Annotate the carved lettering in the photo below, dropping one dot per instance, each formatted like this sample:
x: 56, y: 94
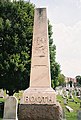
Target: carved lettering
x: 26, y: 99
x: 40, y: 47
x: 32, y: 99
x: 39, y: 99
x: 43, y: 99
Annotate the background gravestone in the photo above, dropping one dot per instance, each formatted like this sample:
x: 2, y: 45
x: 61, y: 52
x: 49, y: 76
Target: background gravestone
x: 79, y: 115
x: 1, y: 93
x: 39, y: 100
x: 10, y: 108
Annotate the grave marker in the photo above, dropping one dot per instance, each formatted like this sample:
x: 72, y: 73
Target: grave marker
x: 1, y: 93
x: 40, y: 96
x: 79, y: 115
x: 10, y: 108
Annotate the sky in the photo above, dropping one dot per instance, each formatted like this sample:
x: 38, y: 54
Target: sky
x: 65, y: 17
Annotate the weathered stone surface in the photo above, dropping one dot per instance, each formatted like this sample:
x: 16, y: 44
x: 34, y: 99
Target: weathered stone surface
x: 40, y: 112
x: 69, y: 109
x: 39, y: 100
x: 40, y: 91
x: 40, y: 65
x: 1, y: 93
x: 39, y: 96
x: 79, y: 115
x: 10, y: 108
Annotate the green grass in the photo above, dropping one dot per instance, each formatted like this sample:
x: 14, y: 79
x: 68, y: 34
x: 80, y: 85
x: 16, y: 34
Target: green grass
x: 18, y: 95
x: 1, y: 114
x: 69, y: 115
x: 2, y: 100
x: 73, y: 105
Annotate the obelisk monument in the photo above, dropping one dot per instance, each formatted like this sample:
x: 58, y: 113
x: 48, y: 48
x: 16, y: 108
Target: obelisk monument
x: 39, y: 96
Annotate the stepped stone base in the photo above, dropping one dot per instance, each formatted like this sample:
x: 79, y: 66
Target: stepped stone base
x: 40, y: 112
x: 39, y: 96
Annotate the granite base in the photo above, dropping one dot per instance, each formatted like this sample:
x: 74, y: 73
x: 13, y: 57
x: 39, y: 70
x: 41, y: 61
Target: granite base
x: 40, y: 112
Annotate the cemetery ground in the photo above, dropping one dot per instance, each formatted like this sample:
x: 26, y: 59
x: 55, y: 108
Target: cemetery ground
x: 74, y: 105
x: 68, y: 115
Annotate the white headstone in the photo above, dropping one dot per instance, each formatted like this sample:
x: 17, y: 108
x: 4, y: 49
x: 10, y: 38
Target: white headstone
x: 1, y: 93
x: 67, y: 93
x: 10, y: 108
x: 79, y: 115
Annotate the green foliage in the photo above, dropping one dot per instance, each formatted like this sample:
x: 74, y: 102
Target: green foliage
x: 61, y: 79
x: 16, y: 29
x: 78, y: 78
x: 54, y: 66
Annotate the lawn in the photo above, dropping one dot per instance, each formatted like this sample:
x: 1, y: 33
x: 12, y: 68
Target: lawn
x: 68, y: 115
x: 73, y: 105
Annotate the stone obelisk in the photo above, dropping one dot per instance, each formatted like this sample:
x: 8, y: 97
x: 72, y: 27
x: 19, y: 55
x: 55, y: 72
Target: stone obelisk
x: 40, y: 80
x: 39, y: 96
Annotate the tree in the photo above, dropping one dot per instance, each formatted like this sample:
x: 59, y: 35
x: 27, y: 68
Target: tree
x: 78, y: 79
x: 54, y: 66
x: 70, y: 82
x: 16, y: 28
x: 61, y: 79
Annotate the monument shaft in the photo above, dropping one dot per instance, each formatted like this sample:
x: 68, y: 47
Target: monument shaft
x: 40, y: 91
x: 40, y: 65
x: 39, y: 100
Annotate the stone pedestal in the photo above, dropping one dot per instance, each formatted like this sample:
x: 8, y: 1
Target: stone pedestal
x: 40, y: 112
x: 39, y: 96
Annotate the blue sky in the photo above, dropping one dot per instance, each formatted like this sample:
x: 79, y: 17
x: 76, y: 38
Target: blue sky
x: 65, y: 17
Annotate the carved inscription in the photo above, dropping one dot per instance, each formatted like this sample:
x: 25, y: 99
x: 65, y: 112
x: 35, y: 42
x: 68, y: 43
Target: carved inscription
x: 40, y: 47
x: 40, y: 100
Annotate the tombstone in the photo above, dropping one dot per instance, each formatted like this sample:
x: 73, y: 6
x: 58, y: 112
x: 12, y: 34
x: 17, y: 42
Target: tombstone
x: 79, y: 115
x: 10, y: 108
x: 65, y: 102
x: 40, y: 97
x: 69, y: 108
x: 64, y: 115
x: 75, y: 92
x: 61, y: 92
x: 80, y: 104
x: 66, y: 93
x: 71, y: 96
x: 67, y: 86
x: 63, y: 96
x: 1, y: 93
x: 70, y: 82
x: 80, y: 94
